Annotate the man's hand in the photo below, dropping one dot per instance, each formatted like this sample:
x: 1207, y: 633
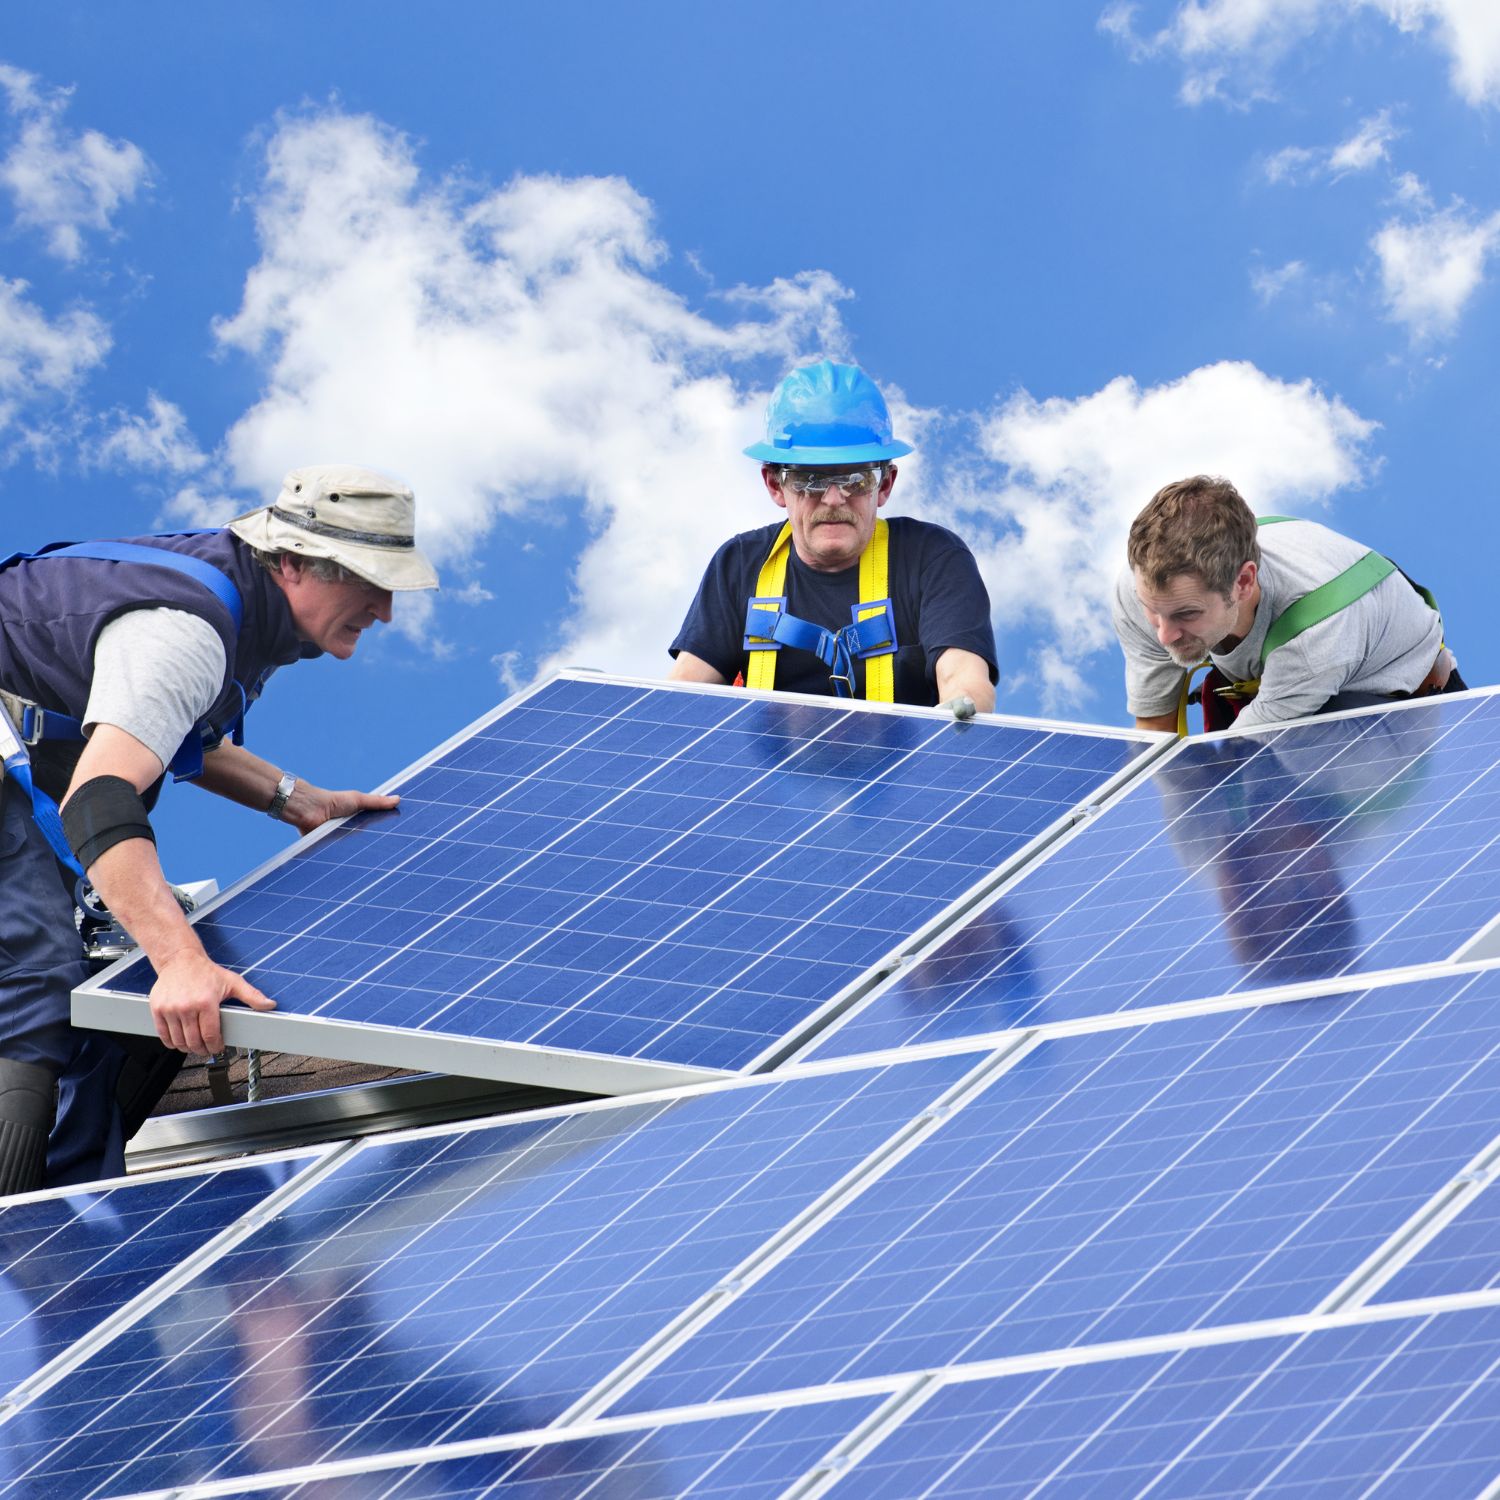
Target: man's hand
x: 186, y: 997
x: 311, y: 806
x: 964, y: 674
x: 232, y: 771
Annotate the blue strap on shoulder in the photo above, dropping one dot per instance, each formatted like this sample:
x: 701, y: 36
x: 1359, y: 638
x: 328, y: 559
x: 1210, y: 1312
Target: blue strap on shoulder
x: 47, y: 724
x: 219, y: 584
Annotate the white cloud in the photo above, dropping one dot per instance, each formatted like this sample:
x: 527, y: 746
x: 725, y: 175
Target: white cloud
x: 511, y: 353
x: 191, y: 506
x: 1431, y: 267
x: 1411, y: 192
x: 158, y: 441
x: 1291, y: 164
x: 1269, y: 284
x: 64, y: 182
x: 1230, y: 48
x: 1469, y: 30
x: 40, y: 358
x: 1050, y: 534
x: 1366, y: 148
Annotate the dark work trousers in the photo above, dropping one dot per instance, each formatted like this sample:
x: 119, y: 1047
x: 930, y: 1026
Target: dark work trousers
x: 1341, y: 701
x: 41, y: 961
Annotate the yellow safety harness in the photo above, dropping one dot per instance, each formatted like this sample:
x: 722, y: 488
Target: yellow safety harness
x: 871, y: 637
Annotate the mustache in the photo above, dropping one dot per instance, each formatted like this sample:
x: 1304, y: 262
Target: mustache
x: 833, y: 516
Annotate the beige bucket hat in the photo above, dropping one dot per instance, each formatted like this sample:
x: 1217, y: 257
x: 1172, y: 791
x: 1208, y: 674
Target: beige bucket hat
x: 358, y: 518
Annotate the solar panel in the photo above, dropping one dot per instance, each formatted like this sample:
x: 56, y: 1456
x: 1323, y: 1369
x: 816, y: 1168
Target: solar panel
x: 662, y: 878
x: 1200, y: 1172
x: 666, y: 884
x: 461, y: 1285
x: 751, y: 1456
x: 1407, y: 1407
x: 70, y: 1260
x: 1335, y: 847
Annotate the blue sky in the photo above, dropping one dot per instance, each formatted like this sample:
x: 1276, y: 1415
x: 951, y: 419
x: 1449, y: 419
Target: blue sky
x: 545, y: 262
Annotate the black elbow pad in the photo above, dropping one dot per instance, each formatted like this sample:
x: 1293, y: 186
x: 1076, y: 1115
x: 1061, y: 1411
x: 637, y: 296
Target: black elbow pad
x: 102, y: 813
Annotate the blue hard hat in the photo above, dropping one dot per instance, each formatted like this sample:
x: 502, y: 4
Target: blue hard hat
x: 827, y: 414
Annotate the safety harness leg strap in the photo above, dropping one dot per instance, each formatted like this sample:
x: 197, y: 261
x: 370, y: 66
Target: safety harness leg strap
x: 43, y: 809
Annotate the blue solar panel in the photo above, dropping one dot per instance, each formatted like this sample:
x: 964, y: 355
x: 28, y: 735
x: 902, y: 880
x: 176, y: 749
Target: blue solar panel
x: 1191, y: 1173
x: 1464, y: 1256
x: 1337, y: 847
x: 751, y: 1457
x: 645, y: 872
x: 456, y: 1286
x: 67, y: 1263
x: 1407, y: 1408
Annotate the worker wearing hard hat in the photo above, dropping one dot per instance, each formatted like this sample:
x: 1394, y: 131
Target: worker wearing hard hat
x: 119, y: 661
x: 836, y: 600
x: 1291, y: 618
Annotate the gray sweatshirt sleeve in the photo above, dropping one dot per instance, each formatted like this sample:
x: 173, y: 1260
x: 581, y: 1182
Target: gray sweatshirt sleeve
x: 156, y: 673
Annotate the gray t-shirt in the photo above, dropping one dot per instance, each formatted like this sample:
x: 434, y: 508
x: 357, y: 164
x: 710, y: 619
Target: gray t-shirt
x: 156, y: 673
x: 1385, y: 642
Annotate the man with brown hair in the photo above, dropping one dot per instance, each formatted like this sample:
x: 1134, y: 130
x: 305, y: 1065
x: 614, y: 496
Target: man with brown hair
x: 1293, y: 618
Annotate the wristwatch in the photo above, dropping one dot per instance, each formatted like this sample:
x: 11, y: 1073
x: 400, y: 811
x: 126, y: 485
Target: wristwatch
x: 283, y: 795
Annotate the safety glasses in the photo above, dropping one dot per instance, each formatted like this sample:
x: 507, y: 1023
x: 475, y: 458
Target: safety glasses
x: 854, y: 485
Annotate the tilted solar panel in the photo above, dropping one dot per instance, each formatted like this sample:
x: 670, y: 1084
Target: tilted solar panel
x: 1190, y: 1173
x: 1335, y: 847
x: 459, y: 1285
x: 664, y: 879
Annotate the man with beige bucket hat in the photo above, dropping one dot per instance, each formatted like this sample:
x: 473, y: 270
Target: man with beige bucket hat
x: 120, y: 661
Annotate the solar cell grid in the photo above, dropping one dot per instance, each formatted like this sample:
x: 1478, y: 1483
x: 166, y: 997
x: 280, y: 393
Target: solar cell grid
x: 457, y: 1286
x: 755, y: 1456
x: 642, y: 872
x: 1113, y: 1185
x: 1408, y: 1407
x: 69, y: 1262
x: 1335, y: 847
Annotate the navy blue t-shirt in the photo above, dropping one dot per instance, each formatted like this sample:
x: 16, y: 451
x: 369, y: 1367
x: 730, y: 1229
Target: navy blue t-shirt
x: 936, y: 592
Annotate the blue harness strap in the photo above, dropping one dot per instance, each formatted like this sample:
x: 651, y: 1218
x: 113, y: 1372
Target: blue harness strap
x: 768, y: 627
x: 48, y: 724
x: 17, y: 763
x: 217, y: 583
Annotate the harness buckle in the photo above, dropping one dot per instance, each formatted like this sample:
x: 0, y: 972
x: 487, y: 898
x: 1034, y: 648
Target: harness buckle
x: 762, y: 614
x: 873, y: 634
x: 33, y: 724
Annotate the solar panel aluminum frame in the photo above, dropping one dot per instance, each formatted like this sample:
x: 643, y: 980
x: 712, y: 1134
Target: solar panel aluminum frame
x: 1396, y: 705
x: 97, y: 1006
x: 201, y: 1136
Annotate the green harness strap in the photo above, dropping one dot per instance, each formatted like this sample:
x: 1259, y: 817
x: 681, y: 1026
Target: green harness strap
x: 1339, y: 592
x: 1327, y: 599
